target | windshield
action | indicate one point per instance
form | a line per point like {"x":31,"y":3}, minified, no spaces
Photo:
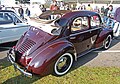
{"x":51,"y":28}
{"x":61,"y":22}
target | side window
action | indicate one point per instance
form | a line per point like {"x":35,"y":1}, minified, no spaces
{"x":95,"y":22}
{"x":1,"y":17}
{"x":5,"y":18}
{"x":79,"y":23}
{"x":15,"y":18}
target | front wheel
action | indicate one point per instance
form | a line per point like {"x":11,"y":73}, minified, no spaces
{"x":63,"y":64}
{"x":107,"y":42}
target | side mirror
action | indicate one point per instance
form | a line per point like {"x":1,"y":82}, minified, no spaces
{"x":14,"y":23}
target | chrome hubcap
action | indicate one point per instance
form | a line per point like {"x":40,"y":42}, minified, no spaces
{"x":62,"y":63}
{"x":108,"y":41}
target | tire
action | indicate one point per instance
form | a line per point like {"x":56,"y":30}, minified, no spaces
{"x":63,"y":64}
{"x":107,"y":42}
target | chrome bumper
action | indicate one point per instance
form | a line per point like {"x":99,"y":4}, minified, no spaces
{"x":12,"y":60}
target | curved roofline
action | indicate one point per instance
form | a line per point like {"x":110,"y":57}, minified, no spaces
{"x":6,"y":11}
{"x":79,"y":13}
{"x":71,"y":15}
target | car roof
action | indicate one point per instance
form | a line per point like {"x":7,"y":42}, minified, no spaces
{"x":79,"y":13}
{"x":6,"y":11}
{"x":68,"y":17}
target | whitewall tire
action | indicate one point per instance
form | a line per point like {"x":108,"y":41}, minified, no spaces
{"x":63,"y":64}
{"x":107,"y":42}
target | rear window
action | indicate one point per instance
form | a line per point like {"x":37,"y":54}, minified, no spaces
{"x":61,"y":22}
{"x":95,"y":21}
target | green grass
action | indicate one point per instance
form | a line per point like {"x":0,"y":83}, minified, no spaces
{"x":81,"y":75}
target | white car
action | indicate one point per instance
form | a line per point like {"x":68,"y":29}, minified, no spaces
{"x":11,"y":26}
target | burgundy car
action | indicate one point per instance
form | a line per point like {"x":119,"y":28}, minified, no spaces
{"x":53,"y":47}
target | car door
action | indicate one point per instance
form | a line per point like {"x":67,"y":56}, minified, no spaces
{"x":95,"y":28}
{"x":19,"y":27}
{"x":11,"y":27}
{"x":5,"y":27}
{"x":82,"y":36}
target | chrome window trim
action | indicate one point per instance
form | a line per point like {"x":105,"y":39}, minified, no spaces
{"x":89,"y":30}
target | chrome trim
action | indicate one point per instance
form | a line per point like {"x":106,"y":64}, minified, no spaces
{"x":12,"y":59}
{"x":75,"y":54}
{"x":4,"y":28}
{"x":86,"y":52}
{"x":90,"y":30}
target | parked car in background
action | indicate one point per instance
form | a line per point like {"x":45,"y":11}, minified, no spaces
{"x":47,"y":14}
{"x":12,"y":27}
{"x":45,"y":17}
{"x":54,"y":46}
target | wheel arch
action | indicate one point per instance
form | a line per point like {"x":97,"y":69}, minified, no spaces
{"x":102,"y":37}
{"x":48,"y":60}
{"x":68,"y":48}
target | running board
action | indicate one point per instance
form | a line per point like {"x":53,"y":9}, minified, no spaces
{"x":88,"y":51}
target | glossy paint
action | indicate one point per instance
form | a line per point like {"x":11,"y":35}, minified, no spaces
{"x":47,"y":48}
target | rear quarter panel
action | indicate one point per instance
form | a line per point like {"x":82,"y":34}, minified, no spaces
{"x":102,"y":36}
{"x":48,"y":55}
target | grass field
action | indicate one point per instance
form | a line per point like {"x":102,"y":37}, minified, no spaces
{"x":81,"y":75}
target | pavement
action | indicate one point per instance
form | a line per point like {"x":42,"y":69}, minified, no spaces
{"x":101,"y":57}
{"x":4,"y":48}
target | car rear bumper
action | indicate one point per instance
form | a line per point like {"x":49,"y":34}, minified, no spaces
{"x":11,"y":58}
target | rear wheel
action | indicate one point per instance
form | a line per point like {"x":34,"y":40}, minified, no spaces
{"x":63,"y":64}
{"x":107,"y":42}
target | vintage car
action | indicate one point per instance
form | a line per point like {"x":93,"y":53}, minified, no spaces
{"x":53,"y":47}
{"x":11,"y":26}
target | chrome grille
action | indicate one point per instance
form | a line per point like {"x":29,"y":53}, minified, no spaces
{"x":27,"y":44}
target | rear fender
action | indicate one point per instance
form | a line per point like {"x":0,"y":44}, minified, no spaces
{"x":102,"y":36}
{"x":44,"y":60}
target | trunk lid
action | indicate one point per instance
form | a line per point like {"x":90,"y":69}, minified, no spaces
{"x":33,"y":39}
